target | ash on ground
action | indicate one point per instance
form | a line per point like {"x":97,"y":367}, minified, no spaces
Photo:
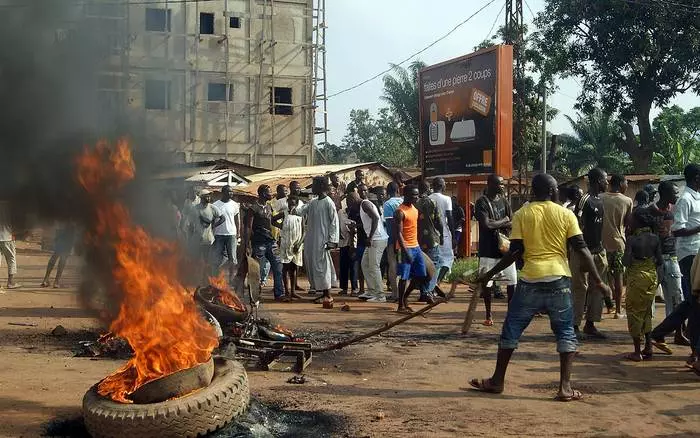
{"x":259,"y":421}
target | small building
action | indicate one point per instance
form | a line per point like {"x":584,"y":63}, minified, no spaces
{"x":375,"y":175}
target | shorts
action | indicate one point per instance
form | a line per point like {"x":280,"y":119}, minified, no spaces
{"x":509,"y":274}
{"x":615,"y":265}
{"x":407,"y":270}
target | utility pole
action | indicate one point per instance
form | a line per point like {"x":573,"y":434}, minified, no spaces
{"x":514,"y":36}
{"x":544,"y":129}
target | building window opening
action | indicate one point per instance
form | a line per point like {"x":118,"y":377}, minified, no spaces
{"x":158,"y":20}
{"x":157,"y":94}
{"x":235,"y":22}
{"x":206,"y":23}
{"x":282,"y":104}
{"x":217,"y":93}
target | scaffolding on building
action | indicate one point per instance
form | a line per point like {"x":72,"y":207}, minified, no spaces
{"x":181,"y":57}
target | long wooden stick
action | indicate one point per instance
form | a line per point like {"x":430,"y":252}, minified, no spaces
{"x":469,"y":317}
{"x":385,"y":327}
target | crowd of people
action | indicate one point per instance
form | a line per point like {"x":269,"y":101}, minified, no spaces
{"x":388,"y":240}
{"x":577,"y":253}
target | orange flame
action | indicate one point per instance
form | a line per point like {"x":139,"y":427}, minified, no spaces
{"x":224,"y":293}
{"x":157,"y":316}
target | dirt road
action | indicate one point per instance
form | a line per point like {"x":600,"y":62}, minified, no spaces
{"x":414,"y":376}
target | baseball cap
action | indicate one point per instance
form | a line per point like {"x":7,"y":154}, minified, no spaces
{"x":204,"y":192}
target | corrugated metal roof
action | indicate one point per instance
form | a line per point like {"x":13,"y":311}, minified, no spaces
{"x":308,"y":171}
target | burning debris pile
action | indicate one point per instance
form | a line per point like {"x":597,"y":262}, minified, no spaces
{"x":172,"y":365}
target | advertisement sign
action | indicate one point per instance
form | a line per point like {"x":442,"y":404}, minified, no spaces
{"x":466,"y":107}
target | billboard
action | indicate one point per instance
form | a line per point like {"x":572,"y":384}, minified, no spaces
{"x":465,"y":110}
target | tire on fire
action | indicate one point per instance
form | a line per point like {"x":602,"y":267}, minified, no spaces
{"x":196,"y":414}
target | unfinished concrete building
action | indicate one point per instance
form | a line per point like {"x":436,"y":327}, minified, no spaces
{"x":209,"y":79}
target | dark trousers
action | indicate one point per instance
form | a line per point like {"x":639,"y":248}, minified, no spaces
{"x":347,"y":269}
{"x":683,"y":311}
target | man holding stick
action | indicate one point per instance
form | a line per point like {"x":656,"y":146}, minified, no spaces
{"x":541,"y":231}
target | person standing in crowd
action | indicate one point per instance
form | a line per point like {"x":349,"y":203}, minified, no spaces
{"x":587,"y":296}
{"x":542,"y":233}
{"x":291,"y":241}
{"x":430,"y":235}
{"x":347,"y":243}
{"x":322,"y":235}
{"x":459,"y":217}
{"x":205,"y":218}
{"x":574,"y":194}
{"x":494,"y":214}
{"x":411,"y":263}
{"x":651,"y":191}
{"x":359,"y":179}
{"x":445,"y":204}
{"x":617,"y":210}
{"x":226,"y":234}
{"x":375,"y":245}
{"x":671,"y":279}
{"x":7,"y":245}
{"x":62,"y":246}
{"x":337,"y":190}
{"x":186,"y":226}
{"x":686,"y":229}
{"x":260,"y":242}
{"x":390,"y":206}
{"x":641,"y":199}
{"x":642,"y":259}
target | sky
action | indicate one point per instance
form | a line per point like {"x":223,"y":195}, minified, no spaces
{"x":365,"y":36}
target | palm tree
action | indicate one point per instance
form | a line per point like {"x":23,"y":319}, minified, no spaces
{"x":401,"y":93}
{"x":595,"y":144}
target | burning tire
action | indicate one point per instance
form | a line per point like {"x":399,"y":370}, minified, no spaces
{"x":196,"y":414}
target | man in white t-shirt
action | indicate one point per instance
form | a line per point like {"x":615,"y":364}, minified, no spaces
{"x":7,"y":246}
{"x":444,"y":203}
{"x":226,"y":234}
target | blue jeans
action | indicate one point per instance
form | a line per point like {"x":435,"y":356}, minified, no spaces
{"x":555,"y":299}
{"x":267,"y":251}
{"x":671,"y":284}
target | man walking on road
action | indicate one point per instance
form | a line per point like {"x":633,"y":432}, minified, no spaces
{"x":617,"y":209}
{"x":430,"y":234}
{"x":226,"y":234}
{"x":587,"y":295}
{"x":686,"y":229}
{"x":7,"y":246}
{"x":542,"y":230}
{"x":494,"y":215}
{"x":259,"y":233}
{"x":411,"y":264}
{"x":444,"y":203}
{"x":390,"y":206}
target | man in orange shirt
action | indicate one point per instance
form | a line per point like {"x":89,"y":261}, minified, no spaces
{"x":411,"y":263}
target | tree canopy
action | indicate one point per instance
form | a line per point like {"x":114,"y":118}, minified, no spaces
{"x":631,"y":56}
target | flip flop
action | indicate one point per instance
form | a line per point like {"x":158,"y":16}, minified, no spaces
{"x":484,"y":385}
{"x":14,"y":286}
{"x":405,"y":310}
{"x":575,"y":396}
{"x":45,"y":284}
{"x":662,"y":346}
{"x":633,"y":357}
{"x":488,"y":322}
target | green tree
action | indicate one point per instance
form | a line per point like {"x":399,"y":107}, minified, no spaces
{"x":631,"y":56}
{"x":330,"y":154}
{"x":677,"y":135}
{"x":376,"y":139}
{"x":595,"y":144}
{"x":401,"y":94}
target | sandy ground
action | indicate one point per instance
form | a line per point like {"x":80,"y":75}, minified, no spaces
{"x":416,"y":374}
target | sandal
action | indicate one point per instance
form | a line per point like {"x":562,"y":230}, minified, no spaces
{"x":634,"y":357}
{"x":488,"y":322}
{"x":485,"y":385}
{"x":405,"y":310}
{"x":575,"y":396}
{"x":44,"y":284}
{"x":661,"y":345}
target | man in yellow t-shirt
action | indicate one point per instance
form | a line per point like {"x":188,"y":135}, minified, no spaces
{"x":542,"y":230}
